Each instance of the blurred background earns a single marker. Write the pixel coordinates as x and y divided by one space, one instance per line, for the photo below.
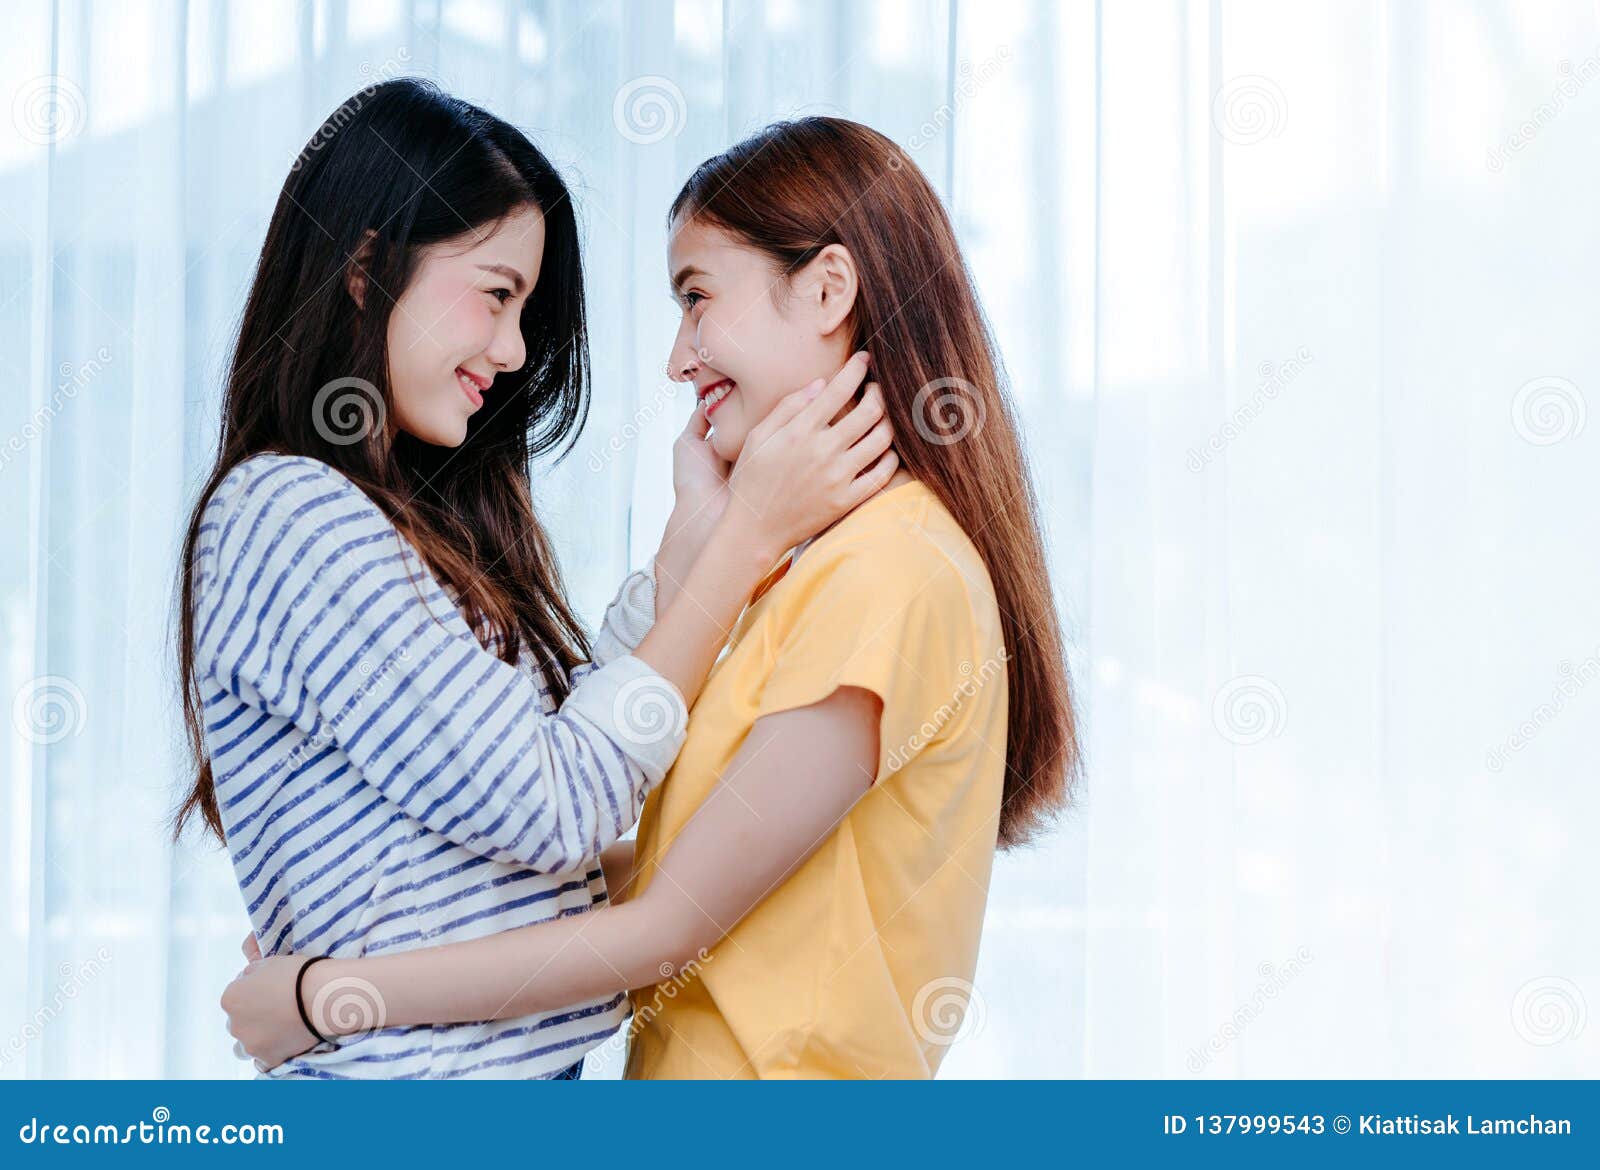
1297 300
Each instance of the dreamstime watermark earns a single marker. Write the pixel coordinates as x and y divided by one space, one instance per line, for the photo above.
969 80
348 1005
673 980
649 109
48 709
1273 979
1548 1010
48 109
1274 379
72 379
948 1010
973 679
648 710
1569 84
74 977
624 437
346 111
1547 411
347 410
1573 679
1249 109
1249 709
374 679
947 410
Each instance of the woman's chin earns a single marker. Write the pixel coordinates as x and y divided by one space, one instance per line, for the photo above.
439 436
726 446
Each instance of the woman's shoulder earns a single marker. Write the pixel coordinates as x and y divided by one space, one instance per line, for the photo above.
902 547
274 505
289 486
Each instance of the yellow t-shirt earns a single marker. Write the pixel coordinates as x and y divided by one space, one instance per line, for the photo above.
860 964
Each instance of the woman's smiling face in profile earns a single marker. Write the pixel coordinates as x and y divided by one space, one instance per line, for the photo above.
458 325
748 335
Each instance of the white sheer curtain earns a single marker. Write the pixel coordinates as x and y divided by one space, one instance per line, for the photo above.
1294 298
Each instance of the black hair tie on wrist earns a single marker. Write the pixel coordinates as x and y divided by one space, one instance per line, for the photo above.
299 999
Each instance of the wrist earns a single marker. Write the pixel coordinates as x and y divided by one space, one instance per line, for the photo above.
328 1009
689 527
742 541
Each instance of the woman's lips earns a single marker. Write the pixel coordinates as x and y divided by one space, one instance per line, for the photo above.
469 387
715 395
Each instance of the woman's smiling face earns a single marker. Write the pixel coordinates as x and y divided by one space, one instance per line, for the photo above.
458 325
749 336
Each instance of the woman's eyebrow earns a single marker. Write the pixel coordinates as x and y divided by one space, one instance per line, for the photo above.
509 273
686 273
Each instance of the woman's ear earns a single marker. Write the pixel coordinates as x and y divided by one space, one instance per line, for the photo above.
355 273
834 271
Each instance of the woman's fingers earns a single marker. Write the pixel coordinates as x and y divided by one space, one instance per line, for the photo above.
251 948
860 418
874 479
873 444
839 390
789 406
698 426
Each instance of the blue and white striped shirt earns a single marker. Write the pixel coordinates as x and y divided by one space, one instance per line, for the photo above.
386 783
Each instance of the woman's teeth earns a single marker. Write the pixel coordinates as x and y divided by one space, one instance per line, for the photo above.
470 387
710 401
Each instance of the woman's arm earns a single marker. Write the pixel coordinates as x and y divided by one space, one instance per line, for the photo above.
796 776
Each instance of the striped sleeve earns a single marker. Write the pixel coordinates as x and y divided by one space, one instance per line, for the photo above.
313 608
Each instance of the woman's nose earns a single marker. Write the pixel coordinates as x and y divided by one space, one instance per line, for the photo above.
684 361
508 350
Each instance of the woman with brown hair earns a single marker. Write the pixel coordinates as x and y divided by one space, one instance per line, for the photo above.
808 885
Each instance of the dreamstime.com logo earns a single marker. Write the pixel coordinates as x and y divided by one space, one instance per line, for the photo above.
644 415
1274 978
1275 378
972 680
73 378
74 978
1572 680
158 1131
351 106
673 981
1570 82
970 79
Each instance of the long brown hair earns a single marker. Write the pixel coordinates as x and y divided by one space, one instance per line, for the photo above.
397 167
797 187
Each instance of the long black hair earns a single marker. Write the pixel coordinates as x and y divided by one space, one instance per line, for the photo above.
396 168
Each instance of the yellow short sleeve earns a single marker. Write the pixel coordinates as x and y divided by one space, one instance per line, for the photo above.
888 618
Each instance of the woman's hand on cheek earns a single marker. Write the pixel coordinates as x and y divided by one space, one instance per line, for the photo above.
799 472
261 1010
699 474
700 491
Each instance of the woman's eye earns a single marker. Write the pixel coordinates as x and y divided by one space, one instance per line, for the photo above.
691 299
501 294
